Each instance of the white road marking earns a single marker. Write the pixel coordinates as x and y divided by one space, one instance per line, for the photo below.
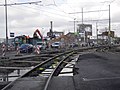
96 79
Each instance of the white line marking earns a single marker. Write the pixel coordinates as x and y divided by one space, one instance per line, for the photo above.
95 79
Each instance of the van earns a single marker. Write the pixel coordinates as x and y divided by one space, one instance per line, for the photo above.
56 45
41 45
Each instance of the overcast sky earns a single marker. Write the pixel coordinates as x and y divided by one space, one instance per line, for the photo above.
25 19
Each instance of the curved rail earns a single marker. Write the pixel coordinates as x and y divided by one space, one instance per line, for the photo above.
44 65
57 70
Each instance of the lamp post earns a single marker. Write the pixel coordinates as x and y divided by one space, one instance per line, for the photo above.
97 32
74 24
109 36
6 25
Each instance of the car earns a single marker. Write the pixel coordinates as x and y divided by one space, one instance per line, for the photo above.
56 45
41 45
73 45
84 44
26 48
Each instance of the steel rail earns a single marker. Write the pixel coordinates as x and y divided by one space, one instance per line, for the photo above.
57 70
49 61
43 63
28 74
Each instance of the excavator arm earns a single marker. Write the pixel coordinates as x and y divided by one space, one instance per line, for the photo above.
35 34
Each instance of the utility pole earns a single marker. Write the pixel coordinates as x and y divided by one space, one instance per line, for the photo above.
97 32
74 24
82 16
6 25
83 28
51 25
109 38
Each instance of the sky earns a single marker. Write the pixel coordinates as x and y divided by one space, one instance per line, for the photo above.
25 19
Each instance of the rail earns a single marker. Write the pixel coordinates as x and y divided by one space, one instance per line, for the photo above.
57 69
43 66
61 59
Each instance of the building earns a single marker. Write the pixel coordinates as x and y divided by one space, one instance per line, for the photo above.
103 38
2 40
85 31
54 34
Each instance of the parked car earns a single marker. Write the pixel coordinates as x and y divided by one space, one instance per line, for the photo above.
73 45
41 45
84 44
26 48
56 45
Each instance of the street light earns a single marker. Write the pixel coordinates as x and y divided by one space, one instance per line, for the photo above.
6 25
74 24
109 37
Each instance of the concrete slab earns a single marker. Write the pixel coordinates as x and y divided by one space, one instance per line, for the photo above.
62 83
28 83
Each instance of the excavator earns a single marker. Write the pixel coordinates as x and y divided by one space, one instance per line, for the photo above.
41 43
36 36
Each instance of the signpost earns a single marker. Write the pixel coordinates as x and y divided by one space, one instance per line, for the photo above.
11 34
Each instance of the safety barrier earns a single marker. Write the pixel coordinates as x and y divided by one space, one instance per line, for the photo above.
3 50
37 50
18 51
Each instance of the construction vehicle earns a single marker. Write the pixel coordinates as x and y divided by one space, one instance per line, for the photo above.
23 39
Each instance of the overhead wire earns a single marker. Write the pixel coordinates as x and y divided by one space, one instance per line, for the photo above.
21 3
21 9
56 13
36 3
110 2
60 9
43 10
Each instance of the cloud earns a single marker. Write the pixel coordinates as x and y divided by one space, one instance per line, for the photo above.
24 19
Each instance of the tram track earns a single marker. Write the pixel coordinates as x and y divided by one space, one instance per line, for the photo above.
21 63
46 70
54 63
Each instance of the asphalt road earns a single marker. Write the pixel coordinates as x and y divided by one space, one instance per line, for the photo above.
97 71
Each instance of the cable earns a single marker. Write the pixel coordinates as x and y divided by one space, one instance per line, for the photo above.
58 8
89 11
52 13
21 3
22 9
43 11
55 13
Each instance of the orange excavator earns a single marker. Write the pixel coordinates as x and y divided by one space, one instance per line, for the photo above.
36 36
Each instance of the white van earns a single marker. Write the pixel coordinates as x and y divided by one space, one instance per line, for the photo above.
41 45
